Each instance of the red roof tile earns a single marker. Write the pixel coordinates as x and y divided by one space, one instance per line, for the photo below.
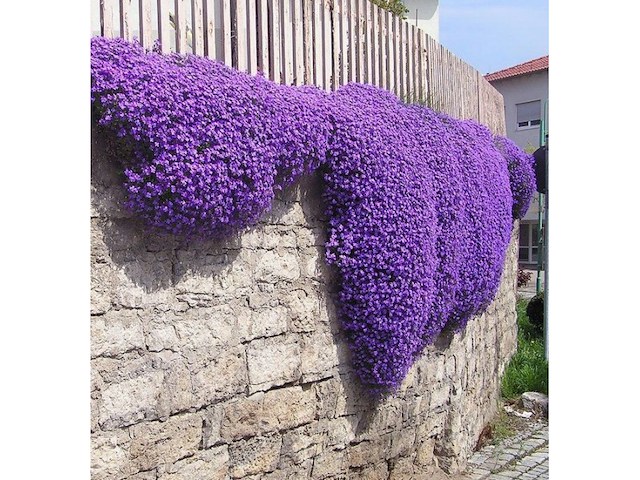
531 66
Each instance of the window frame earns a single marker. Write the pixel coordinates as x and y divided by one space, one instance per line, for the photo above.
530 125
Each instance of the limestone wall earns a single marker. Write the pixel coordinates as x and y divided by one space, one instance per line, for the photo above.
225 359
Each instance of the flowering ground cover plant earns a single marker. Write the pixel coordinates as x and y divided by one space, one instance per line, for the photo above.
419 205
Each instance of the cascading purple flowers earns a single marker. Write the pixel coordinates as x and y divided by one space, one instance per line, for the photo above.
419 204
522 176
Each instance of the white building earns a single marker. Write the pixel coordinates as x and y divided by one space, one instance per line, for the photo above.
425 14
525 89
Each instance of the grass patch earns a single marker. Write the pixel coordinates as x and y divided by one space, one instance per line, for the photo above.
528 370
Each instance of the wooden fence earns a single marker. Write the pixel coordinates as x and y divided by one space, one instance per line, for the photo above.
326 43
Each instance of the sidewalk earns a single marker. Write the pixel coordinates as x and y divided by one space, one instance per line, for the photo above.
524 456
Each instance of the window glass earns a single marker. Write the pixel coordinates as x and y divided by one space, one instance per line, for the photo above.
524 234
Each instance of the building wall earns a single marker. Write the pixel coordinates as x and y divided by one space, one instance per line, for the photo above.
428 16
226 359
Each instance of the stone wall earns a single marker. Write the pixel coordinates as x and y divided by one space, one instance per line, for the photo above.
225 359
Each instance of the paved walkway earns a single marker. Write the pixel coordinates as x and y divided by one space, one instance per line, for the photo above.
524 456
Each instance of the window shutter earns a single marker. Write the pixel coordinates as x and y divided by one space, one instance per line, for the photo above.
529 111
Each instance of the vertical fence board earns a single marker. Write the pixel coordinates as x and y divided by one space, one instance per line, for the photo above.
397 56
252 31
344 41
197 23
180 24
106 18
145 24
241 36
327 44
226 32
384 48
403 60
368 41
287 42
209 40
275 41
263 38
360 50
352 40
318 6
164 28
307 16
125 20
298 38
336 54
375 46
411 47
391 74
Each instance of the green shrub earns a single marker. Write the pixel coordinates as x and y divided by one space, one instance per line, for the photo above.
535 312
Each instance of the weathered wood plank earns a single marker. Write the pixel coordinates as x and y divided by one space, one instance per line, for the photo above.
106 18
344 42
145 24
263 38
375 46
252 32
336 51
180 23
226 33
307 16
126 29
397 57
411 46
209 14
353 40
287 42
327 44
275 41
164 26
197 27
318 6
298 40
241 37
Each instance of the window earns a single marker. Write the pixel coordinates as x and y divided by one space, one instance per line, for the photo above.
528 114
528 247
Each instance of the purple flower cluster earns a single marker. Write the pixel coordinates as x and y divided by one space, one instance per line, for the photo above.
419 208
212 144
419 204
521 174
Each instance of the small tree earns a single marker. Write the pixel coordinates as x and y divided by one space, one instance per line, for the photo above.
394 6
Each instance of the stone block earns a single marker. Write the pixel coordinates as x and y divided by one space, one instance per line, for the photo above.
275 266
163 443
221 378
257 455
319 356
330 464
276 410
262 322
304 309
130 401
110 455
211 464
273 361
115 332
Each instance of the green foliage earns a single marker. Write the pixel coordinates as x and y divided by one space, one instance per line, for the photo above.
394 6
528 370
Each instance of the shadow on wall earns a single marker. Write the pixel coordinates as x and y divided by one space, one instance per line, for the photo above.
223 322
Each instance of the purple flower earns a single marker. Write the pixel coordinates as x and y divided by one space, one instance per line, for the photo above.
420 205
